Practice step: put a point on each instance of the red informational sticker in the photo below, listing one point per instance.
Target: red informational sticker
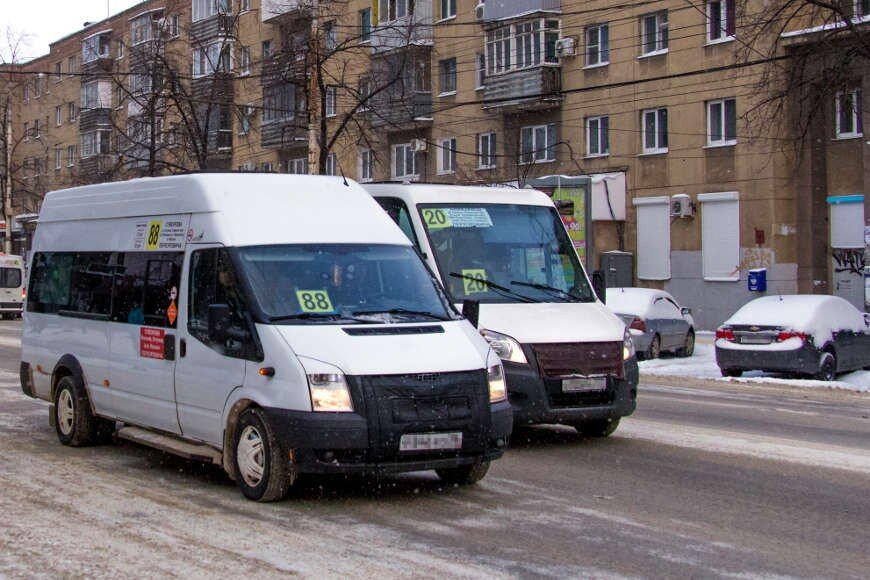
(151, 342)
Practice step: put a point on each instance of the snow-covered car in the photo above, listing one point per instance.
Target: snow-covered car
(656, 322)
(805, 335)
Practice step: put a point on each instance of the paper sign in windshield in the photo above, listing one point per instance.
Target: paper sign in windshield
(456, 217)
(161, 234)
(314, 301)
(474, 280)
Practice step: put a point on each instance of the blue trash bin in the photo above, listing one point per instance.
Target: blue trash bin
(757, 280)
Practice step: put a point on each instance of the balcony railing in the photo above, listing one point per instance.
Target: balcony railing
(538, 87)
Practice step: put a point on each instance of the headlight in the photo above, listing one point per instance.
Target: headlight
(495, 378)
(505, 347)
(627, 345)
(329, 392)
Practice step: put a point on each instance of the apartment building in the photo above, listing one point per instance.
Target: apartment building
(657, 107)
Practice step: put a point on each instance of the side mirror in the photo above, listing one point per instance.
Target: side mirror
(867, 319)
(471, 311)
(218, 322)
(685, 311)
(598, 285)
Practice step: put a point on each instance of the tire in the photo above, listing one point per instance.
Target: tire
(264, 473)
(598, 428)
(731, 372)
(464, 474)
(655, 348)
(688, 348)
(827, 367)
(74, 422)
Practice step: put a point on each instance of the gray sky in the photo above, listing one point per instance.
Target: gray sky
(44, 21)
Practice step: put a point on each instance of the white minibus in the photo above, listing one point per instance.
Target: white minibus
(567, 358)
(276, 325)
(11, 285)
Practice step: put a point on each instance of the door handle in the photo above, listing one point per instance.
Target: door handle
(182, 347)
(169, 347)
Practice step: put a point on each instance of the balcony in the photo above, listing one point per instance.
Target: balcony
(533, 88)
(284, 133)
(495, 10)
(400, 111)
(218, 25)
(411, 30)
(272, 10)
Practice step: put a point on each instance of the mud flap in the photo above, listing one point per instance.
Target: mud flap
(52, 416)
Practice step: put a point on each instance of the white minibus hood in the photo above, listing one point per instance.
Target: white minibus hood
(458, 348)
(552, 322)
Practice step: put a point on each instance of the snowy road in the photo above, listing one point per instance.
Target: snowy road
(708, 479)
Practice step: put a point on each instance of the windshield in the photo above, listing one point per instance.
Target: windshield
(341, 283)
(504, 253)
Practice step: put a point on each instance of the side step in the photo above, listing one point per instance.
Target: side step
(170, 444)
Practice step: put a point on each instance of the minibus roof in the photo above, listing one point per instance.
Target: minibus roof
(417, 193)
(254, 209)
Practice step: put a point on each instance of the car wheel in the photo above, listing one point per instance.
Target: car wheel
(827, 367)
(655, 348)
(731, 372)
(598, 428)
(464, 474)
(264, 473)
(689, 346)
(74, 422)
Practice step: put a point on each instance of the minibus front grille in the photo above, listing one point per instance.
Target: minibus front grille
(393, 329)
(579, 358)
(425, 403)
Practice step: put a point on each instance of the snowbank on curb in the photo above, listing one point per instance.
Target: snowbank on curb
(703, 366)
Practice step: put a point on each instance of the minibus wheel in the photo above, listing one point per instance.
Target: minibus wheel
(464, 474)
(74, 423)
(264, 473)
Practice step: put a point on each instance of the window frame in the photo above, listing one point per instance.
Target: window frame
(660, 41)
(487, 155)
(659, 114)
(331, 101)
(603, 135)
(857, 122)
(447, 156)
(409, 160)
(601, 46)
(721, 12)
(550, 147)
(365, 166)
(723, 104)
(447, 81)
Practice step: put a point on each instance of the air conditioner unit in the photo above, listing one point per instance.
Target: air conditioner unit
(479, 11)
(682, 206)
(418, 145)
(566, 46)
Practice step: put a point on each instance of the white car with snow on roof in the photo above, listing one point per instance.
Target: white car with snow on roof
(805, 335)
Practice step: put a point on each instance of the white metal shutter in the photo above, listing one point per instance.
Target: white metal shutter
(847, 221)
(653, 238)
(720, 235)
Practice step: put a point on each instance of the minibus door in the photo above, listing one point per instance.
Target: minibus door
(211, 353)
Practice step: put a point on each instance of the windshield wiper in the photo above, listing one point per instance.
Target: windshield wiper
(315, 316)
(499, 289)
(400, 311)
(552, 290)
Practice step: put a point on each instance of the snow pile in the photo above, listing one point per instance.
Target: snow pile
(702, 365)
(814, 314)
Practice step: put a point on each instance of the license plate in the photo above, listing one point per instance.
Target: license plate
(754, 340)
(579, 385)
(430, 441)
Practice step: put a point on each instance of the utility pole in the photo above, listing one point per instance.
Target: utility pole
(314, 92)
(7, 192)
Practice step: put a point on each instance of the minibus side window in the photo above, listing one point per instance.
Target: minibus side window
(397, 210)
(72, 283)
(10, 277)
(213, 281)
(49, 287)
(144, 284)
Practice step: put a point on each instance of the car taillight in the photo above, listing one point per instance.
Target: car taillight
(787, 334)
(638, 324)
(725, 333)
(23, 293)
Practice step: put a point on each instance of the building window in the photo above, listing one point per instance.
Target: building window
(366, 165)
(330, 36)
(404, 161)
(498, 50)
(720, 20)
(528, 51)
(71, 112)
(365, 25)
(267, 49)
(862, 8)
(279, 102)
(848, 114)
(58, 159)
(654, 33)
(655, 130)
(447, 156)
(211, 59)
(720, 236)
(96, 143)
(96, 94)
(119, 48)
(36, 132)
(57, 75)
(71, 65)
(447, 82)
(246, 117)
(244, 60)
(391, 10)
(244, 5)
(95, 47)
(722, 122)
(422, 71)
(486, 154)
(538, 143)
(140, 83)
(653, 218)
(331, 101)
(266, 167)
(70, 155)
(141, 29)
(597, 45)
(597, 136)
(522, 45)
(364, 94)
(448, 9)
(26, 131)
(297, 166)
(58, 115)
(331, 164)
(480, 73)
(174, 25)
(203, 9)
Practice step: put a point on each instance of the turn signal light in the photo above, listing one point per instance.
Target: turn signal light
(725, 333)
(638, 324)
(267, 371)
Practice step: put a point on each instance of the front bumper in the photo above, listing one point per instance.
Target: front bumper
(535, 399)
(801, 360)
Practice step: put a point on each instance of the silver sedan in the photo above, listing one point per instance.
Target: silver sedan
(656, 322)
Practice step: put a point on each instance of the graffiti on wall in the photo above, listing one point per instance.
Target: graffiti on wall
(849, 260)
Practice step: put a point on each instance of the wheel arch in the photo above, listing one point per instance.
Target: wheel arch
(67, 366)
(230, 428)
